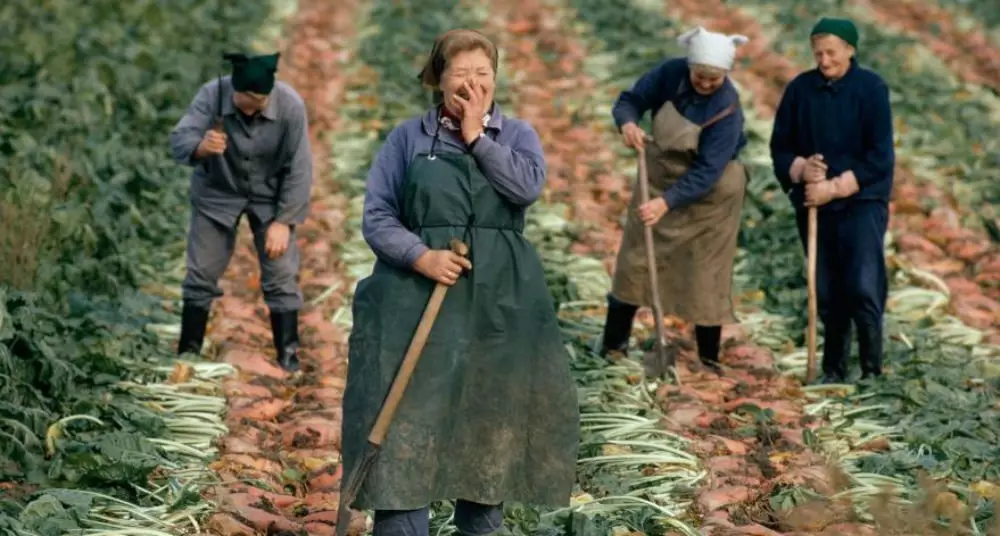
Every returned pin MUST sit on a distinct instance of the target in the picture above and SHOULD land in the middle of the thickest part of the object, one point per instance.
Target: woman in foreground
(692, 161)
(490, 414)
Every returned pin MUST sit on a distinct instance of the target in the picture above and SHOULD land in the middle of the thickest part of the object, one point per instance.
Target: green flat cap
(842, 28)
(253, 73)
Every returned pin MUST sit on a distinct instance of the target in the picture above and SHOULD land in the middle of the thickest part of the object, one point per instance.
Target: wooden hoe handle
(388, 410)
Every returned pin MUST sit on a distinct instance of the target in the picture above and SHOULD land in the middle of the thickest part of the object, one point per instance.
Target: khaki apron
(695, 245)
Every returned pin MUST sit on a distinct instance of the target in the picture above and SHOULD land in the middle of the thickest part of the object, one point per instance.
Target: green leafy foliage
(92, 209)
(979, 12)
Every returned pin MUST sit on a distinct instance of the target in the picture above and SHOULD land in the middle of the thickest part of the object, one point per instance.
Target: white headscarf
(710, 48)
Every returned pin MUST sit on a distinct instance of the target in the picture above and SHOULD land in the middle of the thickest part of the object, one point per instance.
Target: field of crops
(103, 432)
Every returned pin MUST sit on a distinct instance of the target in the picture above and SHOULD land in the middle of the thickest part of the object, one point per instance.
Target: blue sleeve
(649, 93)
(381, 226)
(877, 132)
(716, 147)
(783, 136)
(515, 170)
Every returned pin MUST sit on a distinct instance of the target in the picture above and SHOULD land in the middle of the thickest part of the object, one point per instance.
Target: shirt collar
(269, 112)
(431, 118)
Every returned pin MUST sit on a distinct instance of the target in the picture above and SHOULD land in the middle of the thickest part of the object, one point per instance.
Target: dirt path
(968, 53)
(279, 462)
(744, 470)
(931, 240)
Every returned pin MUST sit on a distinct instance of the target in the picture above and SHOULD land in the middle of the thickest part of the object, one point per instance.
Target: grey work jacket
(267, 165)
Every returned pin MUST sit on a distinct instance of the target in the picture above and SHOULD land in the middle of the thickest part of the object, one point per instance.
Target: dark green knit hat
(253, 73)
(842, 28)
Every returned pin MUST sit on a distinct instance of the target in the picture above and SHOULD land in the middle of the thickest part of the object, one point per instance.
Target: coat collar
(821, 81)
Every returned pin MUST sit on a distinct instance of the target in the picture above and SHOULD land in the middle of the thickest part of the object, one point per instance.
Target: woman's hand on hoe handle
(634, 136)
(443, 265)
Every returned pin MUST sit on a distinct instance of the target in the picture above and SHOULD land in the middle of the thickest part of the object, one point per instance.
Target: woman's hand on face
(441, 265)
(473, 109)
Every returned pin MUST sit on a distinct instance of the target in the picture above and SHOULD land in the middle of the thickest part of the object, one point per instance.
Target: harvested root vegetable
(237, 445)
(722, 497)
(915, 243)
(255, 512)
(323, 500)
(323, 395)
(227, 525)
(257, 410)
(326, 479)
(311, 433)
(234, 388)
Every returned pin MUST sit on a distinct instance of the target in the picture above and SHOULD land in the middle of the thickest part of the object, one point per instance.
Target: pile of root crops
(101, 434)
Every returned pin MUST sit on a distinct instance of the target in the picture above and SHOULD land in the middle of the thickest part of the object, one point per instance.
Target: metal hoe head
(351, 486)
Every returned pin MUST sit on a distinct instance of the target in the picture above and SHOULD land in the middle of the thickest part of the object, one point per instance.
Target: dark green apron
(490, 414)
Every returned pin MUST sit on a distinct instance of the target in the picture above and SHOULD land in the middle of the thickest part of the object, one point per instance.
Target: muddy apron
(491, 412)
(695, 245)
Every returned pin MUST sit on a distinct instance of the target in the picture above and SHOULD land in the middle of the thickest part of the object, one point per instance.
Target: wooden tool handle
(813, 308)
(391, 403)
(654, 286)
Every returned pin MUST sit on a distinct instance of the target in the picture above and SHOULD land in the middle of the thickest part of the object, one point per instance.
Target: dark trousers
(851, 282)
(618, 329)
(471, 519)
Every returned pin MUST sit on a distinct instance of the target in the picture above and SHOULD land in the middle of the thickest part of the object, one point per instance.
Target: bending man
(246, 137)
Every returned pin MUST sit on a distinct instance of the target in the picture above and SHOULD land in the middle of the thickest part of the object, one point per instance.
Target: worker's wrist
(797, 168)
(846, 184)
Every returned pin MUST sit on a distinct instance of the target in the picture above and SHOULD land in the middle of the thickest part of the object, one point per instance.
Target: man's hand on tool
(213, 143)
(276, 241)
(634, 136)
(820, 193)
(815, 169)
(441, 265)
(651, 211)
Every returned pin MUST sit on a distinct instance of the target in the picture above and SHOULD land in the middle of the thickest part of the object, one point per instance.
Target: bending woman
(490, 414)
(692, 159)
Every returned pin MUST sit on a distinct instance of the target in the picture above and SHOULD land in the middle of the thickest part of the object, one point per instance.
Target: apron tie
(434, 140)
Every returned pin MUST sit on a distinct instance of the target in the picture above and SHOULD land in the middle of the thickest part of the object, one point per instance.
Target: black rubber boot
(836, 349)
(870, 350)
(285, 331)
(709, 338)
(194, 320)
(617, 327)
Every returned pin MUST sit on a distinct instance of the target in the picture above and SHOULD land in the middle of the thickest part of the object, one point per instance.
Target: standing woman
(490, 414)
(697, 135)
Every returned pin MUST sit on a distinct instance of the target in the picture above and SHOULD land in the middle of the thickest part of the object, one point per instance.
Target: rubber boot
(709, 339)
(285, 331)
(870, 350)
(836, 349)
(617, 327)
(194, 320)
